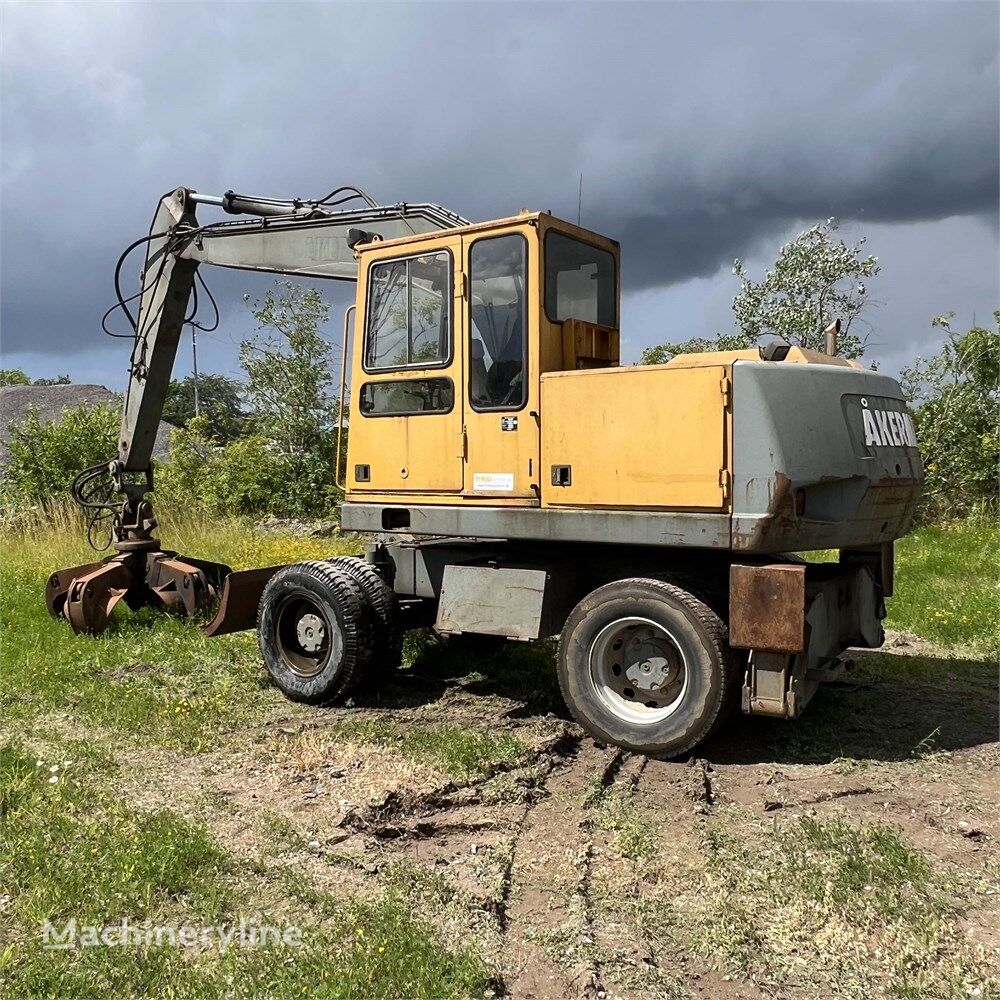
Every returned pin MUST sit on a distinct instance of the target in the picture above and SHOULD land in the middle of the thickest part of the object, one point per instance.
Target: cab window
(409, 313)
(497, 331)
(580, 281)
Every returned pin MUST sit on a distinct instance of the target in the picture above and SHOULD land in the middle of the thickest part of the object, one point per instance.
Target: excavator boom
(296, 237)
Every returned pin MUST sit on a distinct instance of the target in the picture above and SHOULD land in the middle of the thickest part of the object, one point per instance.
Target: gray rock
(51, 400)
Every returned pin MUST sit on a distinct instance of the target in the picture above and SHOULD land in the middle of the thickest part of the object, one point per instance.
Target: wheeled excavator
(515, 480)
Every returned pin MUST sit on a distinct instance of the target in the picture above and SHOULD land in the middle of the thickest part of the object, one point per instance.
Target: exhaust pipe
(831, 338)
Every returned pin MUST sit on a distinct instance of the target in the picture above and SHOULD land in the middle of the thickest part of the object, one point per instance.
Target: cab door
(501, 368)
(406, 431)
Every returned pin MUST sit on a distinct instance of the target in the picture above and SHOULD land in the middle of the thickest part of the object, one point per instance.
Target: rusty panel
(767, 607)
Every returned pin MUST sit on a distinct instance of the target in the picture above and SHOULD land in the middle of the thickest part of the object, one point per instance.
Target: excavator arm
(294, 237)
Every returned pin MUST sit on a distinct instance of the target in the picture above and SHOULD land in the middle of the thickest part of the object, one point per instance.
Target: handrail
(344, 357)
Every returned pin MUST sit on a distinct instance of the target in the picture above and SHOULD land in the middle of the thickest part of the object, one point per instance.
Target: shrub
(45, 456)
(245, 476)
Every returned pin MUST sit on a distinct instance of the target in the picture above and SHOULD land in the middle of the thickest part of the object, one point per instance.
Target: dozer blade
(86, 595)
(240, 600)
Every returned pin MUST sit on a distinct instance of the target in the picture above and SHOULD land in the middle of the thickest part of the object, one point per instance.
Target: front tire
(646, 666)
(316, 631)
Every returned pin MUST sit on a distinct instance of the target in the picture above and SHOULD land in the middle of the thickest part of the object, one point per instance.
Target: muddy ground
(577, 870)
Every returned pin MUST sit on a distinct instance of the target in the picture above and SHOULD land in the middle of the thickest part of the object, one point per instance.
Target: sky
(704, 132)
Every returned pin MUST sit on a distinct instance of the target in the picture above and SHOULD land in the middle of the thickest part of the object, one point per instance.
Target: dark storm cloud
(701, 130)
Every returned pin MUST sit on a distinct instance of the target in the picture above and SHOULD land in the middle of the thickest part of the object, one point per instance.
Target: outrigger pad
(86, 595)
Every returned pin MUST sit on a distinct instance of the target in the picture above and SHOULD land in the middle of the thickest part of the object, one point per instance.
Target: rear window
(580, 281)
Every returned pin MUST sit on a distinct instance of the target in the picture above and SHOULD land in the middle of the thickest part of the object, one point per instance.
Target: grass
(826, 897)
(461, 753)
(73, 849)
(772, 901)
(946, 587)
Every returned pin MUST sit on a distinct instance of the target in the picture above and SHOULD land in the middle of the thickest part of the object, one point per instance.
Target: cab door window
(409, 313)
(498, 323)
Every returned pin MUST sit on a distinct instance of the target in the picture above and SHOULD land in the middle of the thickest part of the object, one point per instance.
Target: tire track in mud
(547, 919)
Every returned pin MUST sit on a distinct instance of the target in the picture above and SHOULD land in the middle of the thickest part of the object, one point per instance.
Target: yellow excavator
(517, 481)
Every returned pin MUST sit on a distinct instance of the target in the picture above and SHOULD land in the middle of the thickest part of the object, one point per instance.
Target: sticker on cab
(493, 482)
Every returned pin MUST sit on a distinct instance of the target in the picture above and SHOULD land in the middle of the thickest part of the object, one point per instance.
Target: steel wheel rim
(638, 670)
(306, 636)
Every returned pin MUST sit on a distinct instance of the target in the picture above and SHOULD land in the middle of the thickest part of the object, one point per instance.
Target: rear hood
(823, 457)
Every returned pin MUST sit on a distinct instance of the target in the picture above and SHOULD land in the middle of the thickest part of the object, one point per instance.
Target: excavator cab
(455, 332)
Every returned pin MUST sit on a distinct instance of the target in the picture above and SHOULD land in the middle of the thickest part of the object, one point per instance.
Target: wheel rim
(306, 636)
(638, 670)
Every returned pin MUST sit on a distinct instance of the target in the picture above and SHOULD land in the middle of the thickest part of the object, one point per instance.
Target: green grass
(618, 813)
(72, 849)
(946, 587)
(461, 753)
(855, 901)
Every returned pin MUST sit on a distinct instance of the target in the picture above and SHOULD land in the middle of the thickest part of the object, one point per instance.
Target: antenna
(579, 201)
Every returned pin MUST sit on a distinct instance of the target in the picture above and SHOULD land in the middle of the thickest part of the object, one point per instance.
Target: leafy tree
(289, 387)
(955, 395)
(816, 279)
(58, 380)
(13, 376)
(45, 456)
(220, 400)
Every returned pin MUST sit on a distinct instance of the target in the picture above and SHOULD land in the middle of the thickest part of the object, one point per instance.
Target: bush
(46, 456)
(245, 476)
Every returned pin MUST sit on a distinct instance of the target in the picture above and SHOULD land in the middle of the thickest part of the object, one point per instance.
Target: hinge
(724, 484)
(727, 390)
(460, 285)
(465, 445)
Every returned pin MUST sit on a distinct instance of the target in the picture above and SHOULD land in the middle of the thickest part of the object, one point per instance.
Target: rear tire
(316, 631)
(646, 666)
(387, 651)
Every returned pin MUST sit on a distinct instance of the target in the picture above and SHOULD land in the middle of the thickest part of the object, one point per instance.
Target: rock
(52, 400)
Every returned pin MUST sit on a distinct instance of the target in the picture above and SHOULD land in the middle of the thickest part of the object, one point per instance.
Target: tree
(289, 382)
(220, 401)
(816, 279)
(955, 395)
(13, 376)
(58, 380)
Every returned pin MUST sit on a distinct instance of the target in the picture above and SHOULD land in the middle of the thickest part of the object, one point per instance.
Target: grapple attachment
(145, 576)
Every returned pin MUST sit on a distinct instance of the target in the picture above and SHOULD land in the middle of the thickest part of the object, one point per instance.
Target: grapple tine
(59, 584)
(91, 598)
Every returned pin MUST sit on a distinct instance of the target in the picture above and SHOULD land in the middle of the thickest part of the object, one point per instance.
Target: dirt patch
(580, 871)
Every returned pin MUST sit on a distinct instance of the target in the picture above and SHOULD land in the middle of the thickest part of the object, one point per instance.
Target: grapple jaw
(144, 576)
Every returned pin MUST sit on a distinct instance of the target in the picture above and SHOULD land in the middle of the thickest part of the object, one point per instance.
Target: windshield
(580, 281)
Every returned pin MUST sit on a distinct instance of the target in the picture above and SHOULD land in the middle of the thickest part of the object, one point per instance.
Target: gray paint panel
(616, 527)
(491, 600)
(792, 431)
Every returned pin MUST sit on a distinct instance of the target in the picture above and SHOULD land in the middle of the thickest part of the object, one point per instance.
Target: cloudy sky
(704, 132)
